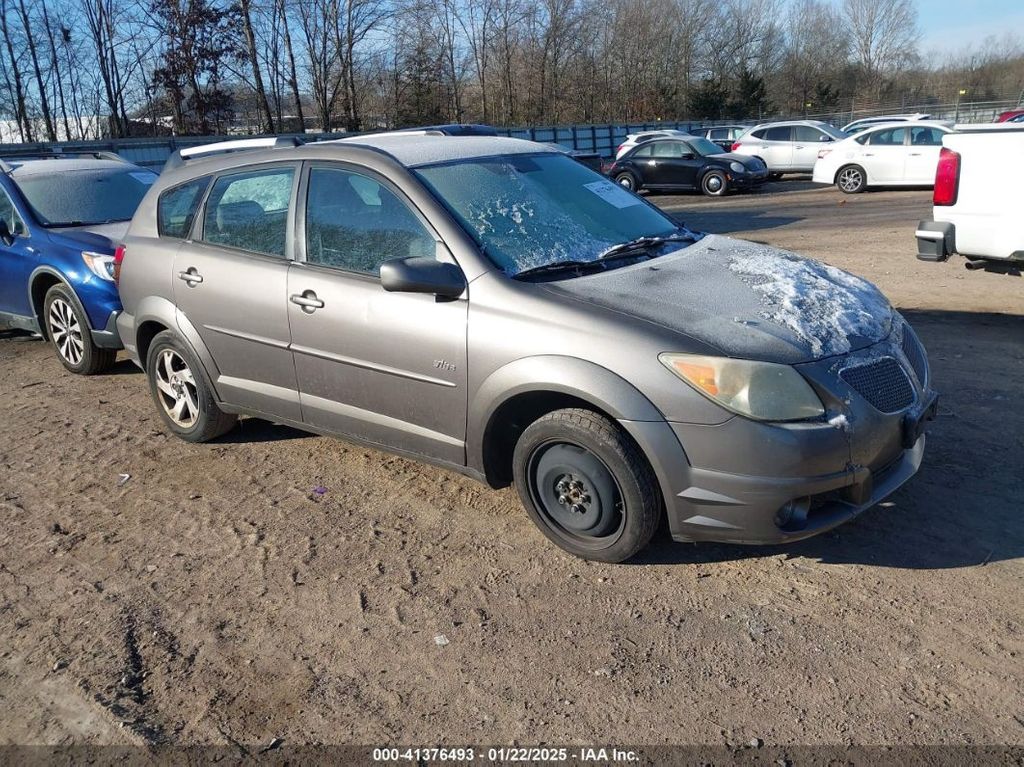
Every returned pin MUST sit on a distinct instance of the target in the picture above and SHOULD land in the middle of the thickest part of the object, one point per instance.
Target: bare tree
(883, 36)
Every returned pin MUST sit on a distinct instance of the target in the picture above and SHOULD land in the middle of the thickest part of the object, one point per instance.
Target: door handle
(867, 154)
(308, 301)
(191, 276)
(799, 147)
(915, 154)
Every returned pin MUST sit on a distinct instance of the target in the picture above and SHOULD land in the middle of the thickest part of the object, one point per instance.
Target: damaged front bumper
(766, 483)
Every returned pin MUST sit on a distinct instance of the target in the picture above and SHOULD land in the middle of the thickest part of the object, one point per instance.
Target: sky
(950, 25)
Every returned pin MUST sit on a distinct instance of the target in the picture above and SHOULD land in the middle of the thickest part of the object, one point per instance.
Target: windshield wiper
(624, 249)
(557, 266)
(643, 244)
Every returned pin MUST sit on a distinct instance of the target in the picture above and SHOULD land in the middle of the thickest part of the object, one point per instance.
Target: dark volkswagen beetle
(672, 164)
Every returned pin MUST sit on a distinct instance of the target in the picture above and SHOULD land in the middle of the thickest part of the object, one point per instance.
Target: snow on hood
(744, 299)
(824, 306)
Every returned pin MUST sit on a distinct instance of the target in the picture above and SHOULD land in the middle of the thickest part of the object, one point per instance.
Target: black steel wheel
(587, 485)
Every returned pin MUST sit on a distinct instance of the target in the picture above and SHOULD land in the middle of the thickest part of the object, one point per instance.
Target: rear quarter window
(176, 208)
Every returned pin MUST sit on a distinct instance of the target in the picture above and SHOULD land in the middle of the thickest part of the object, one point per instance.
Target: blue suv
(61, 219)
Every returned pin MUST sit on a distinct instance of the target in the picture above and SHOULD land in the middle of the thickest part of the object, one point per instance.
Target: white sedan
(897, 154)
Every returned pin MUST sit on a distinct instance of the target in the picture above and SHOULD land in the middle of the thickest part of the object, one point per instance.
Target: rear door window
(806, 133)
(176, 208)
(249, 211)
(925, 137)
(889, 137)
(778, 133)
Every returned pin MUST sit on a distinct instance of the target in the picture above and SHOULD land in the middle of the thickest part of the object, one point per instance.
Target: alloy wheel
(850, 180)
(66, 331)
(176, 389)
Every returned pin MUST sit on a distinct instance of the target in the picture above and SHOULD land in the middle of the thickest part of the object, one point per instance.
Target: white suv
(788, 147)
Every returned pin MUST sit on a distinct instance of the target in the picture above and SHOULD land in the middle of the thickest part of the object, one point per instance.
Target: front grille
(883, 383)
(914, 353)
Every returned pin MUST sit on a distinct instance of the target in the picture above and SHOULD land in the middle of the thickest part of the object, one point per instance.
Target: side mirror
(422, 275)
(825, 138)
(686, 156)
(6, 237)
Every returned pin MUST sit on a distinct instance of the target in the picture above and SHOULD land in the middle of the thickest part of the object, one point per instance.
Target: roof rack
(179, 158)
(52, 153)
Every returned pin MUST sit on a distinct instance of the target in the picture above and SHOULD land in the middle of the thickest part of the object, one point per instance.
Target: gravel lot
(213, 597)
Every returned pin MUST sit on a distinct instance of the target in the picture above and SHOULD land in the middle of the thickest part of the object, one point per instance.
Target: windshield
(82, 197)
(704, 147)
(529, 211)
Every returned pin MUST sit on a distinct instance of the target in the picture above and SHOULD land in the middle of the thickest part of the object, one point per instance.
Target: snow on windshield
(532, 210)
(822, 305)
(544, 233)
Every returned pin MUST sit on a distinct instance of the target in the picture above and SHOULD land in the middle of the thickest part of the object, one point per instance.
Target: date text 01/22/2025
(504, 754)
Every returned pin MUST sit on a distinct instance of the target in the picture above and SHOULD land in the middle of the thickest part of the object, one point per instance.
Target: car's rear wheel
(627, 181)
(68, 329)
(714, 184)
(182, 393)
(851, 179)
(587, 485)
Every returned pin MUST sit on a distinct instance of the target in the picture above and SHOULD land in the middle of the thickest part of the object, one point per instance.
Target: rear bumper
(936, 240)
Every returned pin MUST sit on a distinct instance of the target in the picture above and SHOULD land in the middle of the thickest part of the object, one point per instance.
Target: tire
(714, 184)
(627, 181)
(851, 179)
(587, 485)
(182, 392)
(67, 327)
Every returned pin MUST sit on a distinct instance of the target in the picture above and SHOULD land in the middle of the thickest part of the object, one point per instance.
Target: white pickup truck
(978, 199)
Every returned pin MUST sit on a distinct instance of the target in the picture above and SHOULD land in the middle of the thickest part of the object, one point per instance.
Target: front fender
(586, 381)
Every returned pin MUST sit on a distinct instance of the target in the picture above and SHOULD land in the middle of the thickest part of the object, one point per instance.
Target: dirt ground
(214, 597)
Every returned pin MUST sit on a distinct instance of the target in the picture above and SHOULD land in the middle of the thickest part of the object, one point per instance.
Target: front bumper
(108, 337)
(748, 180)
(749, 482)
(764, 511)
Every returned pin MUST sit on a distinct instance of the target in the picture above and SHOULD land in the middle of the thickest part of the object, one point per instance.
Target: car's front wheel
(183, 395)
(587, 485)
(68, 329)
(714, 184)
(627, 181)
(851, 179)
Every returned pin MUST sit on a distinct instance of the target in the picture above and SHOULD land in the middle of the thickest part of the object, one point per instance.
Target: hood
(96, 236)
(747, 300)
(746, 160)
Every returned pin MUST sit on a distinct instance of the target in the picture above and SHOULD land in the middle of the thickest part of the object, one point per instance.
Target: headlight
(737, 167)
(763, 391)
(100, 264)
